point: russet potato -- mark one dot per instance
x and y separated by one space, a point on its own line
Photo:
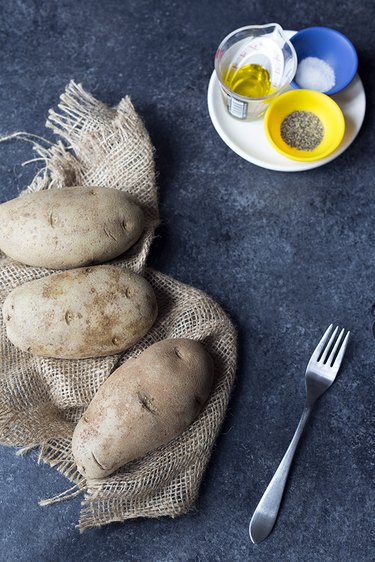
142 405
85 312
70 227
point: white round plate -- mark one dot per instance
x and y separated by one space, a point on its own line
248 138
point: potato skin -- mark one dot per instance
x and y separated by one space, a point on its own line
70 227
85 312
144 403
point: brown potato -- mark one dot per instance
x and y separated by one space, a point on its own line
70 227
144 403
86 312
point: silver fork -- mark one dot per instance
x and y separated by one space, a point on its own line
321 371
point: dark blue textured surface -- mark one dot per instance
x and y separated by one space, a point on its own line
284 254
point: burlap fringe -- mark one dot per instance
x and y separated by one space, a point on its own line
67 495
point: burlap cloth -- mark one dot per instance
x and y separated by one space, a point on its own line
42 399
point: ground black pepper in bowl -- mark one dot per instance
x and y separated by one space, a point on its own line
302 130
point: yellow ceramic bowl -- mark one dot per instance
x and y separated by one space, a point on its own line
321 105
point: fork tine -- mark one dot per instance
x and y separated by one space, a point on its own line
321 344
328 346
335 347
341 352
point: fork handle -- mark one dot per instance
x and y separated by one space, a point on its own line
265 514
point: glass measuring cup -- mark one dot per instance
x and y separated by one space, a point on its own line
266 59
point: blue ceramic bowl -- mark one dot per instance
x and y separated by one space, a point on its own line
332 47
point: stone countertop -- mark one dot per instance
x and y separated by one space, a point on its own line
285 254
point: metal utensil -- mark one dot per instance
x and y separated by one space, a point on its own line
321 371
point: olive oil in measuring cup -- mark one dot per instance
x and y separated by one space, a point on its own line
254 64
250 80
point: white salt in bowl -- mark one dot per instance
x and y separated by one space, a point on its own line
327 60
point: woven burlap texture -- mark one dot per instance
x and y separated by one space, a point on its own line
41 399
